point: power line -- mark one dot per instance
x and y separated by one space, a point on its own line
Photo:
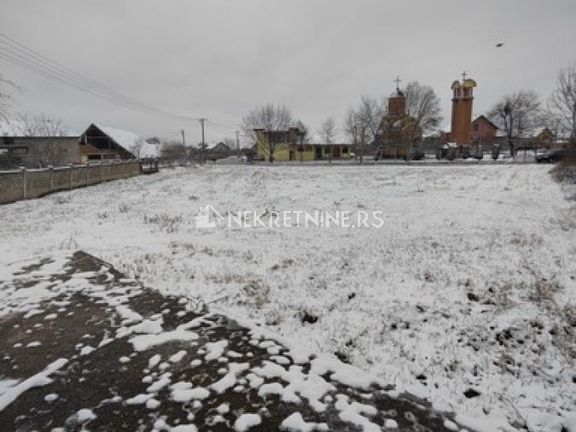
27 54
52 76
29 59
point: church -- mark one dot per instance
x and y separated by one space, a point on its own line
462 103
398 134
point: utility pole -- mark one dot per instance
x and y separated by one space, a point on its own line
203 144
355 137
361 145
183 137
238 142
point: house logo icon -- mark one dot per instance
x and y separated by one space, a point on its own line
208 217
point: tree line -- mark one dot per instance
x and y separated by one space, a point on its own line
516 114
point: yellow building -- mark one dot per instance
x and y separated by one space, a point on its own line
289 145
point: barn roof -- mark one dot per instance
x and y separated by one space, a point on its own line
125 140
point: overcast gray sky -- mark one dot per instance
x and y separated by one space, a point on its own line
219 58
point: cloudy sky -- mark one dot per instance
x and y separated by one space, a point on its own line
219 58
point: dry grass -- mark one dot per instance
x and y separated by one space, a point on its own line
257 293
544 290
164 222
565 170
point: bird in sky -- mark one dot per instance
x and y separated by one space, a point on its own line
499 44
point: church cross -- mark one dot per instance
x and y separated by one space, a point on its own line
398 81
464 75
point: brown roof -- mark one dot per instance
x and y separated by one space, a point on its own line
482 117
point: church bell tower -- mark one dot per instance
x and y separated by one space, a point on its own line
397 102
462 103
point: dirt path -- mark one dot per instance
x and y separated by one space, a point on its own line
94 351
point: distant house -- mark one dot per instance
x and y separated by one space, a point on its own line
544 136
94 145
38 152
221 148
219 151
289 145
483 132
104 143
332 151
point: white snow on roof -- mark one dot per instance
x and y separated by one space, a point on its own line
149 150
127 139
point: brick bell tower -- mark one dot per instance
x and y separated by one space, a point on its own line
462 101
397 102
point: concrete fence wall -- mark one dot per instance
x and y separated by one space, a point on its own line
26 184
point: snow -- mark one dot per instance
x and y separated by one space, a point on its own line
154 360
393 424
10 393
246 421
296 423
51 397
153 404
223 408
87 350
356 413
145 327
229 380
570 423
184 428
149 150
310 386
463 286
215 350
161 383
139 399
127 139
85 415
147 341
176 358
186 395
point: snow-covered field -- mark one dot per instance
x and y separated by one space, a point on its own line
469 284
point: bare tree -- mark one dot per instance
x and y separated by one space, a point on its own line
304 129
517 114
40 125
327 131
363 122
423 105
269 117
553 121
136 148
562 102
173 151
369 115
350 130
52 151
5 97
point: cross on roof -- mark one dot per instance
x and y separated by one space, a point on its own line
464 75
398 81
